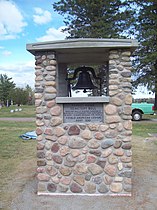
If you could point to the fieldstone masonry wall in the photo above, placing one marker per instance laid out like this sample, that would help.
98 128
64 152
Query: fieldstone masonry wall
84 158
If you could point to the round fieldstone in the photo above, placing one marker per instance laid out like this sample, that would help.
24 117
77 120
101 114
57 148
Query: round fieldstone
128 188
48 131
59 131
117 144
74 130
116 101
86 134
106 152
95 152
112 159
51 187
111 134
126 159
91 159
39 131
38 102
81 158
56 121
64 150
90 187
93 144
76 143
43 177
40 170
55 148
50 104
79 179
40 146
88 177
126 53
57 159
110 170
48 155
126 146
51 170
99 135
75 153
55 180
82 126
39 123
40 154
49 97
38 95
118 179
120 166
126 73
110 109
62 188
41 163
107 143
55 111
69 163
80 168
125 173
116 187
50 90
75 188
101 162
65 171
63 140
128 99
50 68
52 62
103 127
51 138
113 119
95 169
65 180
93 127
113 125
108 180
119 152
97 180
103 188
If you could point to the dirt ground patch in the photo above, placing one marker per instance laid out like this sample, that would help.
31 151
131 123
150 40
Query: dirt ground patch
144 195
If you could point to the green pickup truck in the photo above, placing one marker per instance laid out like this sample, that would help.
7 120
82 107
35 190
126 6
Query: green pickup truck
141 108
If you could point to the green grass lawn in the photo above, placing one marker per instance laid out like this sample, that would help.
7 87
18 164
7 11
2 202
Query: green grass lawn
14 150
27 111
143 128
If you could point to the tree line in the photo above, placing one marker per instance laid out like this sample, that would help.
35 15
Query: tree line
10 94
118 19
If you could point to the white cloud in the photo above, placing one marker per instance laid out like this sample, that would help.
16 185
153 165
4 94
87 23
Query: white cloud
53 34
21 73
41 16
6 53
11 20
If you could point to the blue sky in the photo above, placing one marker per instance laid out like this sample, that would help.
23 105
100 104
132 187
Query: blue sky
22 22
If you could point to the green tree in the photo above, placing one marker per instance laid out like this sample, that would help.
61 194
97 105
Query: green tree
145 59
22 95
94 18
6 85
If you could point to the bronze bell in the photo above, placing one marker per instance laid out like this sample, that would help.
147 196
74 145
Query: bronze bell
84 82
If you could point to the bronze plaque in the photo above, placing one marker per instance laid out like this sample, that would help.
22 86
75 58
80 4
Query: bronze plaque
83 113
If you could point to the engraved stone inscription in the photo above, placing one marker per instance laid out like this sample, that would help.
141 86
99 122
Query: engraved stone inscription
83 113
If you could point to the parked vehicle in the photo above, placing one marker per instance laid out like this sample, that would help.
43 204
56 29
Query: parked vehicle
141 108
